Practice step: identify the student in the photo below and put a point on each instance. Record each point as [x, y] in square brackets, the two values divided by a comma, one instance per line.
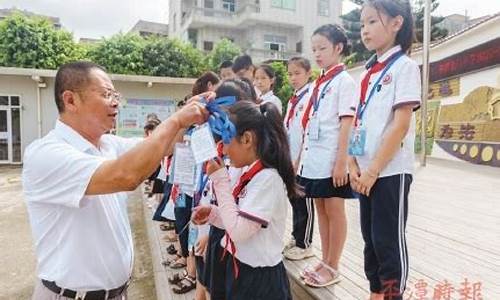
[215, 269]
[207, 82]
[186, 281]
[226, 70]
[299, 73]
[254, 211]
[243, 67]
[381, 169]
[323, 161]
[264, 82]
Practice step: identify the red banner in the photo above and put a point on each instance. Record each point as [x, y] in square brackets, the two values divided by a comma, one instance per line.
[482, 56]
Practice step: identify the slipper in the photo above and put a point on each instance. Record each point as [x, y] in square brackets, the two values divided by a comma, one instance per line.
[176, 278]
[317, 281]
[167, 227]
[177, 264]
[308, 270]
[186, 285]
[171, 250]
[170, 239]
[167, 262]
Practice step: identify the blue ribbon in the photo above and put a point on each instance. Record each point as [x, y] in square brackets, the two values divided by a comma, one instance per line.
[219, 121]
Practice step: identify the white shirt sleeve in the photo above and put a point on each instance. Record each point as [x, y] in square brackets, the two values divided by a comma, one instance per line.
[407, 85]
[124, 144]
[347, 96]
[56, 173]
[261, 196]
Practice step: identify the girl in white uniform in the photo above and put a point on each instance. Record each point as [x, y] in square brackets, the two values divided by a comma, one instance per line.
[299, 74]
[264, 81]
[254, 211]
[382, 143]
[322, 169]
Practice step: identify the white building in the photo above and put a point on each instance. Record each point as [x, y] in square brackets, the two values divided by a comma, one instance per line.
[264, 29]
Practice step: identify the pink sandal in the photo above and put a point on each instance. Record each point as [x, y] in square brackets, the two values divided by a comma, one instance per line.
[316, 280]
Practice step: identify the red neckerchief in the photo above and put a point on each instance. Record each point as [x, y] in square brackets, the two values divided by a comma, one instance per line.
[174, 193]
[167, 162]
[293, 102]
[322, 79]
[375, 68]
[242, 183]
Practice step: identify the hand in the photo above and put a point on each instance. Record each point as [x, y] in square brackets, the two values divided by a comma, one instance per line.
[214, 165]
[200, 214]
[201, 247]
[366, 182]
[354, 173]
[192, 113]
[209, 96]
[339, 175]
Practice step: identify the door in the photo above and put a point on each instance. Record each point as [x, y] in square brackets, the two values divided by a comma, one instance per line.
[5, 143]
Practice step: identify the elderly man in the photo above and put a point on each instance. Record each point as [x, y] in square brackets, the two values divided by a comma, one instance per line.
[74, 181]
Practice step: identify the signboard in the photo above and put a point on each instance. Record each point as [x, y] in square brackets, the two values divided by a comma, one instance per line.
[133, 112]
[482, 56]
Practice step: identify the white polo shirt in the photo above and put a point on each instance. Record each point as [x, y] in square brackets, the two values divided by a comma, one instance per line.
[294, 128]
[265, 200]
[82, 242]
[318, 156]
[270, 97]
[400, 86]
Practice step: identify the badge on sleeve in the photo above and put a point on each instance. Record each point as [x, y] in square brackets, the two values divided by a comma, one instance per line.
[357, 142]
[314, 128]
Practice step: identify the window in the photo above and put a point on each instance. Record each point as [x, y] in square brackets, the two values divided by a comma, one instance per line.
[229, 5]
[208, 46]
[193, 37]
[275, 42]
[324, 8]
[288, 4]
[298, 47]
[175, 22]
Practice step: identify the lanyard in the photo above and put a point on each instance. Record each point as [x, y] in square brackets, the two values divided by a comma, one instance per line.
[362, 106]
[323, 92]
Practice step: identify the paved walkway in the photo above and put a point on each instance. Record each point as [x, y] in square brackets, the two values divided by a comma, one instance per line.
[453, 235]
[17, 258]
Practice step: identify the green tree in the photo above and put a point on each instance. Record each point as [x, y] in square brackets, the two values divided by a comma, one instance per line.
[35, 43]
[172, 57]
[418, 13]
[223, 50]
[121, 54]
[282, 88]
[351, 23]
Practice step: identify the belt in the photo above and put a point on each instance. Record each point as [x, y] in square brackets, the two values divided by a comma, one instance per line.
[89, 295]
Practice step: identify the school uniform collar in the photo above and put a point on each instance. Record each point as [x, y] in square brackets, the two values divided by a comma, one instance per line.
[374, 59]
[324, 72]
[389, 53]
[302, 89]
[73, 137]
[268, 94]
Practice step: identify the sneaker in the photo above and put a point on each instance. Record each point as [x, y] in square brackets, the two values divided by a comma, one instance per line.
[297, 253]
[289, 245]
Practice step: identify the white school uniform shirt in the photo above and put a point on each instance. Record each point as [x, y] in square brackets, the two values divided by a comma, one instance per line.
[264, 200]
[318, 156]
[270, 97]
[400, 86]
[82, 242]
[294, 129]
